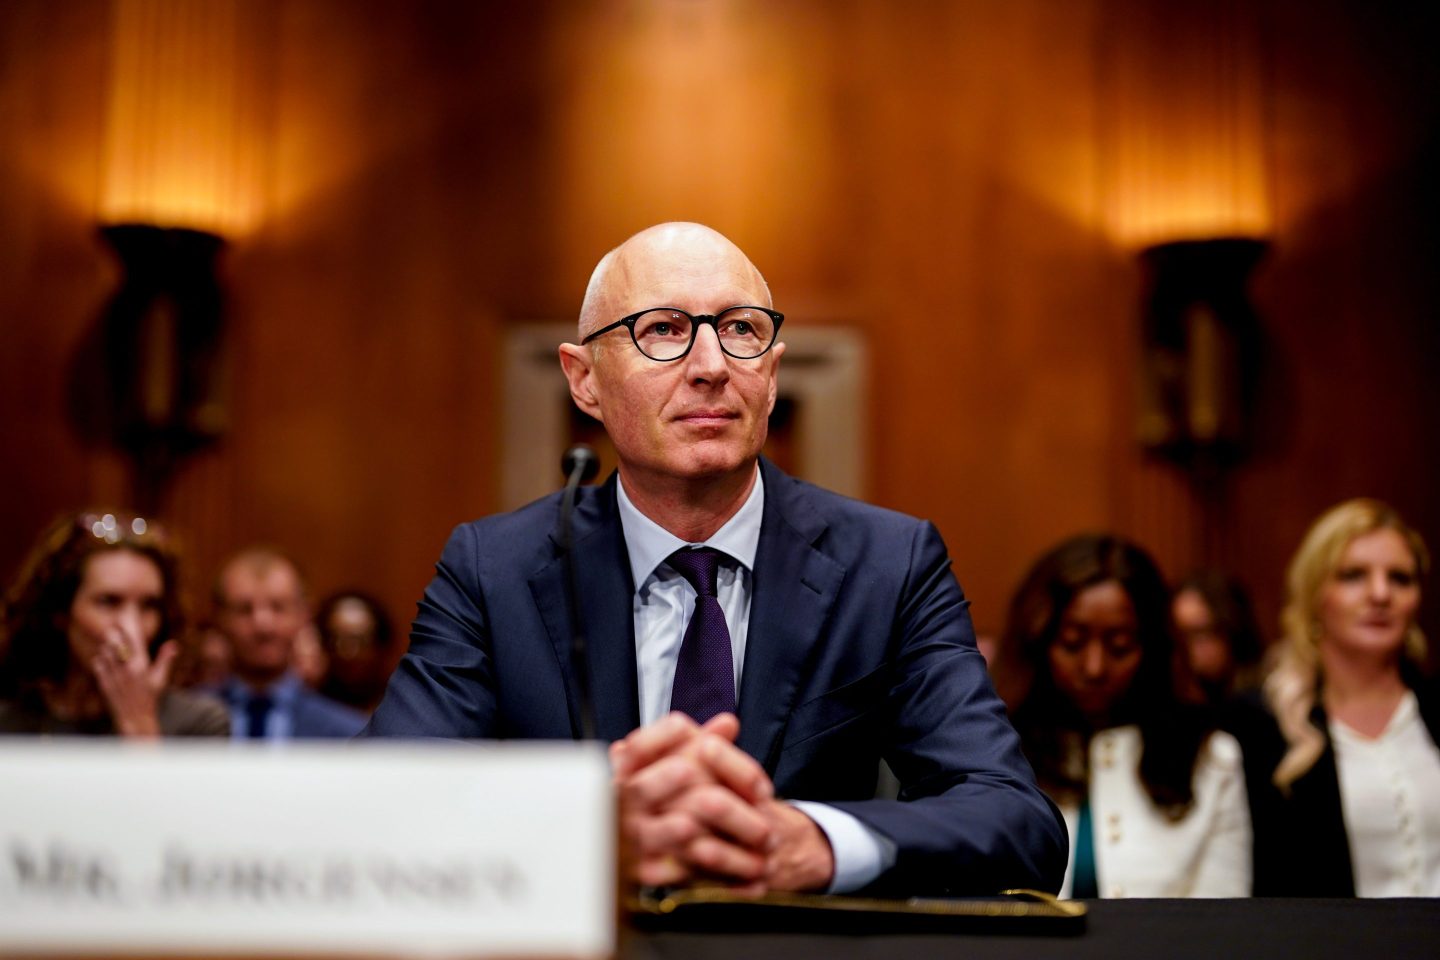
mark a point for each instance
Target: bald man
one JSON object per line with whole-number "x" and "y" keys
{"x": 799, "y": 636}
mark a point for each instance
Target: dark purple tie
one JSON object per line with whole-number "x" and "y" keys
{"x": 705, "y": 670}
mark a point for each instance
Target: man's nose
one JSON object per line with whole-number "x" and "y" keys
{"x": 706, "y": 361}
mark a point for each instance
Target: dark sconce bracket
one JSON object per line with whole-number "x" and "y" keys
{"x": 1200, "y": 367}
{"x": 159, "y": 343}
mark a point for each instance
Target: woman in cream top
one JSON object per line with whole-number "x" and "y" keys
{"x": 1139, "y": 850}
{"x": 1153, "y": 795}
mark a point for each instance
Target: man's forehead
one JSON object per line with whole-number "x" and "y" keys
{"x": 272, "y": 577}
{"x": 679, "y": 261}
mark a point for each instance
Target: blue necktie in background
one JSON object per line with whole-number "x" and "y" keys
{"x": 705, "y": 670}
{"x": 257, "y": 711}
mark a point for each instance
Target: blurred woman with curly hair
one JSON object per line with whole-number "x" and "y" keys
{"x": 90, "y": 632}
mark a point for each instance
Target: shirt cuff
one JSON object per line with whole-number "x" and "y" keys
{"x": 861, "y": 854}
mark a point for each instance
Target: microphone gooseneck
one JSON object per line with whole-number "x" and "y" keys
{"x": 580, "y": 465}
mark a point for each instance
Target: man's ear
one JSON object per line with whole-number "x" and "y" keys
{"x": 777, "y": 351}
{"x": 579, "y": 367}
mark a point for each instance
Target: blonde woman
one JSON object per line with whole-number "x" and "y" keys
{"x": 1358, "y": 777}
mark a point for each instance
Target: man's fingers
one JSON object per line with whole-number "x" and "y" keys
{"x": 698, "y": 811}
{"x": 661, "y": 871}
{"x": 651, "y": 742}
{"x": 671, "y": 733}
{"x": 660, "y": 783}
{"x": 660, "y": 834}
{"x": 722, "y": 812}
{"x": 734, "y": 768}
{"x": 704, "y": 856}
{"x": 725, "y": 725}
{"x": 657, "y": 763}
{"x": 801, "y": 857}
{"x": 721, "y": 858}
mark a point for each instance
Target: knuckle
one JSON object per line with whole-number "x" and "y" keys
{"x": 711, "y": 802}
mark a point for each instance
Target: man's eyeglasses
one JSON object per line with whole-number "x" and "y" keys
{"x": 667, "y": 333}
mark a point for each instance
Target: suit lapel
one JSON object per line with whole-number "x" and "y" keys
{"x": 795, "y": 586}
{"x": 604, "y": 590}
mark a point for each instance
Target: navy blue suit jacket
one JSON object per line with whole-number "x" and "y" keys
{"x": 316, "y": 716}
{"x": 860, "y": 648}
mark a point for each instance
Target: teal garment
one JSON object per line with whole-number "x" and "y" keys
{"x": 1085, "y": 886}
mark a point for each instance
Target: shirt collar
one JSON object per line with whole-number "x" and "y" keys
{"x": 649, "y": 544}
{"x": 283, "y": 691}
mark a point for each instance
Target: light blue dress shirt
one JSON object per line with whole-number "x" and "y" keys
{"x": 662, "y": 605}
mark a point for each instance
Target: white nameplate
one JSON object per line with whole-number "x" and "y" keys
{"x": 369, "y": 848}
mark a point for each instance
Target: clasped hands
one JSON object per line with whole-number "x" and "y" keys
{"x": 696, "y": 809}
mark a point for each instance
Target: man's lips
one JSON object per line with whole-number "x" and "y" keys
{"x": 706, "y": 418}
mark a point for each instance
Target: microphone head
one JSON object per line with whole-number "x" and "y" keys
{"x": 584, "y": 458}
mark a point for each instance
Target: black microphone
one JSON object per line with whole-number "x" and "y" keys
{"x": 580, "y": 465}
{"x": 582, "y": 458}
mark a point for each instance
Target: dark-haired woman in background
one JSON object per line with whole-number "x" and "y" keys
{"x": 1358, "y": 770}
{"x": 88, "y": 637}
{"x": 357, "y": 639}
{"x": 1219, "y": 636}
{"x": 1153, "y": 795}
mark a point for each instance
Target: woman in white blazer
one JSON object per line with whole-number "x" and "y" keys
{"x": 1153, "y": 795}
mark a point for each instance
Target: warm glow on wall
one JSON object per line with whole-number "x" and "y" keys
{"x": 1184, "y": 124}
{"x": 183, "y": 130}
{"x": 678, "y": 109}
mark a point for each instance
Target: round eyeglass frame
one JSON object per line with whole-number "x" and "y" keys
{"x": 697, "y": 320}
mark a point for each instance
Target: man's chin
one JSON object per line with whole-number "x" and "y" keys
{"x": 701, "y": 464}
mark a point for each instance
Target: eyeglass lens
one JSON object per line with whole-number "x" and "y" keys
{"x": 666, "y": 334}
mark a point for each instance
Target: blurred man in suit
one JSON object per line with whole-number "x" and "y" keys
{"x": 261, "y": 607}
{"x": 751, "y": 637}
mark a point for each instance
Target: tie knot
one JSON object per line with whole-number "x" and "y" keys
{"x": 699, "y": 566}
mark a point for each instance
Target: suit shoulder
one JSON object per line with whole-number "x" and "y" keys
{"x": 502, "y": 542}
{"x": 538, "y": 514}
{"x": 316, "y": 715}
{"x": 540, "y": 517}
{"x": 839, "y": 508}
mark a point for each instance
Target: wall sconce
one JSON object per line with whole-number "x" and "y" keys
{"x": 183, "y": 129}
{"x": 1201, "y": 352}
{"x": 161, "y": 335}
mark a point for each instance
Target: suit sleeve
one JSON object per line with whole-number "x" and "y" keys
{"x": 970, "y": 819}
{"x": 444, "y": 686}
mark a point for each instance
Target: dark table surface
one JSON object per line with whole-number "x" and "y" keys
{"x": 1170, "y": 929}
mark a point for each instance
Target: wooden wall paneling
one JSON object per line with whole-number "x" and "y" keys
{"x": 54, "y": 275}
{"x": 1348, "y": 297}
{"x": 946, "y": 179}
